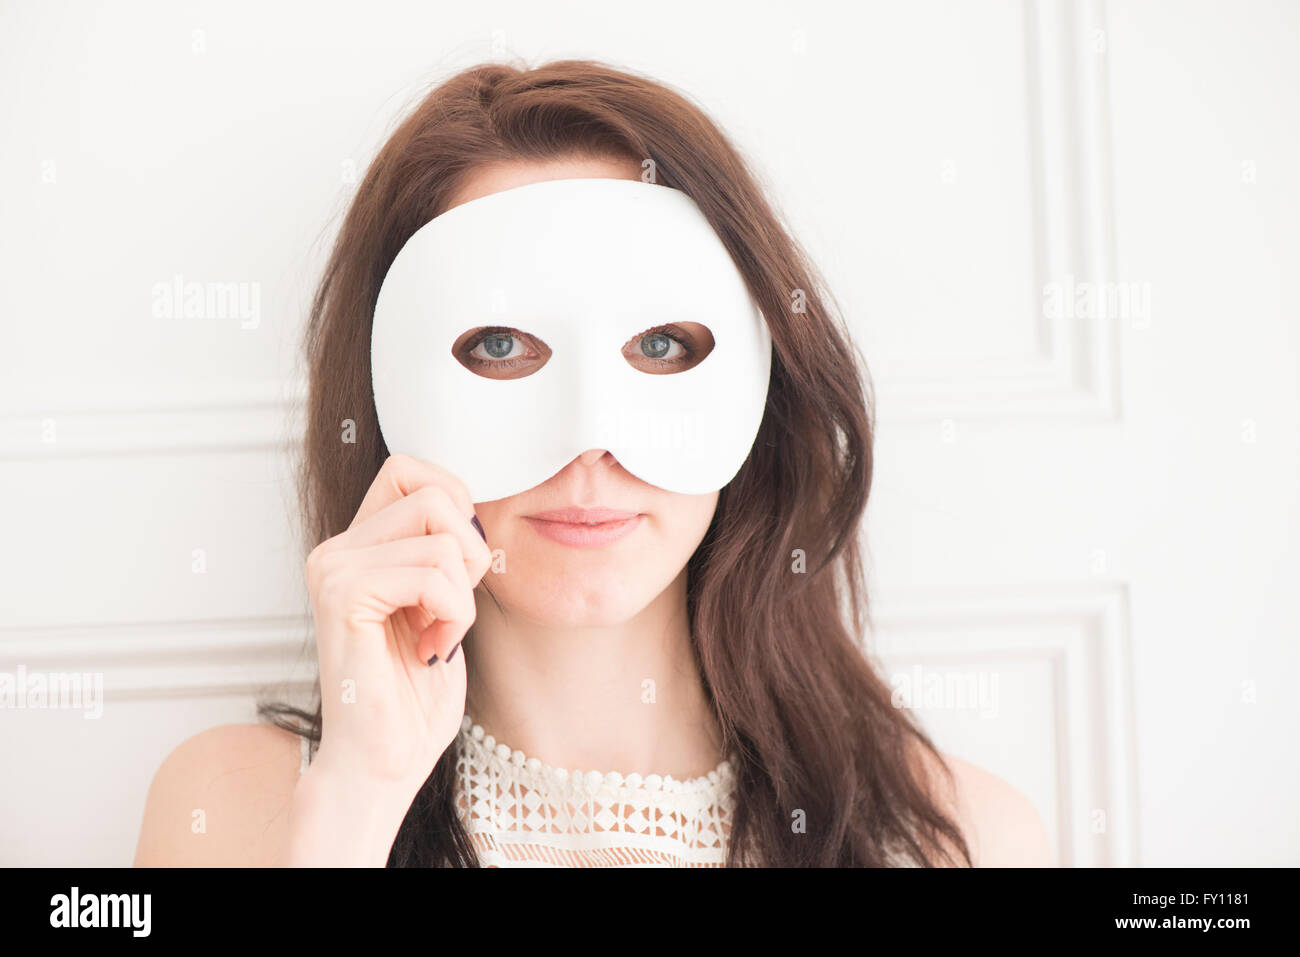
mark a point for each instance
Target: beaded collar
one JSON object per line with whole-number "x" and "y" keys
{"x": 512, "y": 767}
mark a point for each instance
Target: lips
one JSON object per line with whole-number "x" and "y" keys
{"x": 583, "y": 516}
{"x": 584, "y": 527}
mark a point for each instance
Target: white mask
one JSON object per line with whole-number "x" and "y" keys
{"x": 583, "y": 265}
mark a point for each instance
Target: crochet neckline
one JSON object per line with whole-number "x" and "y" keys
{"x": 513, "y": 765}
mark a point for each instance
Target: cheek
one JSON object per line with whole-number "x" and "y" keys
{"x": 686, "y": 519}
{"x": 492, "y": 516}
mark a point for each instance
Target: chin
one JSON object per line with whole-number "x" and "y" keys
{"x": 578, "y": 601}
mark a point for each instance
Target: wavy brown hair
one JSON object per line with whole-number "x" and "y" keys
{"x": 807, "y": 722}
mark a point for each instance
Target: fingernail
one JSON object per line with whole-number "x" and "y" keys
{"x": 453, "y": 651}
{"x": 479, "y": 525}
{"x": 433, "y": 661}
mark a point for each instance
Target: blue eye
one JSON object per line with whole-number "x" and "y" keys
{"x": 671, "y": 347}
{"x": 498, "y": 346}
{"x": 657, "y": 345}
{"x": 498, "y": 352}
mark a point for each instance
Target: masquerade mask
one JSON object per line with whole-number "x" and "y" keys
{"x": 514, "y": 332}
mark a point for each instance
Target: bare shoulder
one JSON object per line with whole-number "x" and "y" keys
{"x": 1001, "y": 826}
{"x": 221, "y": 799}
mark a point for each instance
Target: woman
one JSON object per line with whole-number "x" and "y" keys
{"x": 689, "y": 647}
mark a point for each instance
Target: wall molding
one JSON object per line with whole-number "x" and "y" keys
{"x": 1081, "y": 631}
{"x": 233, "y": 419}
{"x": 172, "y": 659}
{"x": 1074, "y": 370}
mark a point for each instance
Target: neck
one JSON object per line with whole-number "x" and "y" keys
{"x": 625, "y": 697}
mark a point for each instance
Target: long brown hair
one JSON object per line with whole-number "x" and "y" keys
{"x": 776, "y": 595}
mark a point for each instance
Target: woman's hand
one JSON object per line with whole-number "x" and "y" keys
{"x": 388, "y": 594}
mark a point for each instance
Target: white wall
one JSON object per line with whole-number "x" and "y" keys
{"x": 1091, "y": 518}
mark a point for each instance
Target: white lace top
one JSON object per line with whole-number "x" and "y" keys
{"x": 522, "y": 813}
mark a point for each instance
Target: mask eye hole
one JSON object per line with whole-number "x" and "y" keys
{"x": 663, "y": 350}
{"x": 499, "y": 352}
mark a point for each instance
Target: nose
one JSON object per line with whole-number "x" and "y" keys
{"x": 593, "y": 466}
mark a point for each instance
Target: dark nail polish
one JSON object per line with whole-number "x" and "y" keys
{"x": 479, "y": 525}
{"x": 454, "y": 650}
{"x": 433, "y": 661}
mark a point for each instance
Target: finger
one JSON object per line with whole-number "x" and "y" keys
{"x": 440, "y": 638}
{"x": 373, "y": 595}
{"x": 439, "y": 550}
{"x": 400, "y": 475}
{"x": 427, "y": 511}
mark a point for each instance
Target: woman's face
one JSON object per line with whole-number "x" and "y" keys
{"x": 558, "y": 567}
